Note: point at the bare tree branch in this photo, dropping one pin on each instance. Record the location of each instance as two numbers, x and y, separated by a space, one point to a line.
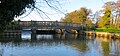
42 12
53 7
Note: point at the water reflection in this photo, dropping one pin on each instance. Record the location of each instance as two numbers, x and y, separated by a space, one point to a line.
41 37
26 35
59 45
107 46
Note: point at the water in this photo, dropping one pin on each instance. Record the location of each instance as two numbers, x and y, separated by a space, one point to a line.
59 45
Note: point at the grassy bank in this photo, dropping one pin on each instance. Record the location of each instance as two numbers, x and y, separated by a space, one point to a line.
111 30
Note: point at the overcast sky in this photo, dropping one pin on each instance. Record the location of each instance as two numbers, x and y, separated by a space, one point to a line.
67 6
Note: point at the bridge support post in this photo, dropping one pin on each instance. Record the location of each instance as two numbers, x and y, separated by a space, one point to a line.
81 32
58 31
62 31
33 34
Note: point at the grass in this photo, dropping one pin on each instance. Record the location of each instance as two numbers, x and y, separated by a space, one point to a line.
111 30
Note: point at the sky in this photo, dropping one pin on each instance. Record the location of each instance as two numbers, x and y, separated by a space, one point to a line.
66 7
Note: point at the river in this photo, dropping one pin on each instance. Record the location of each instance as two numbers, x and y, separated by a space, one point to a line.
59 45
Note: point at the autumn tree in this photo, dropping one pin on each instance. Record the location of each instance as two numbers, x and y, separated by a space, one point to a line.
83 15
71 17
111 13
117 14
105 21
79 16
117 25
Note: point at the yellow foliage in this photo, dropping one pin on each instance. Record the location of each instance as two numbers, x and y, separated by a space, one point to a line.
77 16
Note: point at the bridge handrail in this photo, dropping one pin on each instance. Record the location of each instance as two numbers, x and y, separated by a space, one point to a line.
49 23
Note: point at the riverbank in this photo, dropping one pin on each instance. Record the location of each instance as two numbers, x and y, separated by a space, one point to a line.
110 30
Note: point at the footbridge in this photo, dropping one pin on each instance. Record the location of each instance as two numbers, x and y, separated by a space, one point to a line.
49 25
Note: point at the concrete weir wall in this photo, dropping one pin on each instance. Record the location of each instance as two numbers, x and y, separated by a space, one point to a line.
103 34
11 33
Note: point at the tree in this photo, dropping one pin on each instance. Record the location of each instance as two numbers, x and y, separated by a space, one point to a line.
83 15
117 25
111 16
13 8
78 16
9 9
105 21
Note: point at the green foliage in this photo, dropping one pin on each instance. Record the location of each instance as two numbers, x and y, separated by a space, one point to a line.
105 21
112 30
111 16
13 8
